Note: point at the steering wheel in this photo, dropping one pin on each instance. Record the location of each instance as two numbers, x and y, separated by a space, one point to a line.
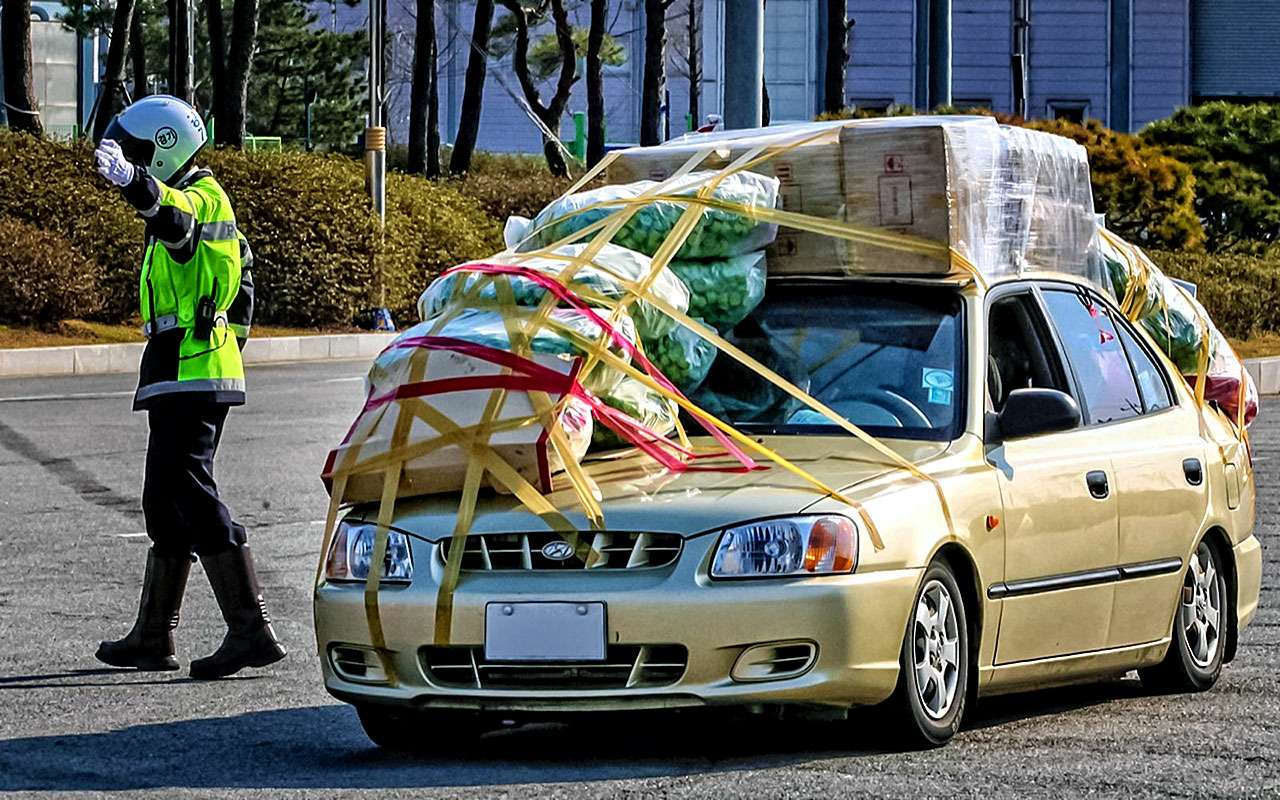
900 407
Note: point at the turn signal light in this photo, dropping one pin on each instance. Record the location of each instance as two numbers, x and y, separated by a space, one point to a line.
831 545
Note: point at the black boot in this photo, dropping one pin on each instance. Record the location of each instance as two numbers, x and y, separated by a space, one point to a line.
149 646
250 641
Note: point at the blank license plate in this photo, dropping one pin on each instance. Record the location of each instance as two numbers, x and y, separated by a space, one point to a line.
544 632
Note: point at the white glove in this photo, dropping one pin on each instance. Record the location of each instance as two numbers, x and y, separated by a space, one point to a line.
112 164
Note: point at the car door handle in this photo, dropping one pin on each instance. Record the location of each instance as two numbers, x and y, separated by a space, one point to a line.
1194 472
1096 480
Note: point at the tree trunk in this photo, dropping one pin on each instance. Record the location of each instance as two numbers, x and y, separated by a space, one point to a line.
244 32
112 74
138 54
837 59
595 82
464 144
654 88
695 63
180 78
217 56
423 97
433 104
549 113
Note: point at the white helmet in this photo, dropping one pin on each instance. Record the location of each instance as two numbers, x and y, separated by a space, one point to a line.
159 132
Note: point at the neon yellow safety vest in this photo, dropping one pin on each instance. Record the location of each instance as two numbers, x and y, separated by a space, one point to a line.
176 277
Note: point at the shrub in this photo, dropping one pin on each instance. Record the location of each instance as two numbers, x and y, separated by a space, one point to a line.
54 187
43 279
1238 290
306 216
1234 151
317 254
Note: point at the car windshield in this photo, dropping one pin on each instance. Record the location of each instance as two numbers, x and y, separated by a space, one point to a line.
886 358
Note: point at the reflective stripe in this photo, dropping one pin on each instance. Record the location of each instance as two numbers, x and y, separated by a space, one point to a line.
241 331
159 325
218 231
170 321
155 207
197 385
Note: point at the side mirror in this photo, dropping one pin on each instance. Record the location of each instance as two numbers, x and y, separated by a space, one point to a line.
1028 412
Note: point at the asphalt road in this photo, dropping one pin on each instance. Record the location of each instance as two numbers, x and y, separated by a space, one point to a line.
71 556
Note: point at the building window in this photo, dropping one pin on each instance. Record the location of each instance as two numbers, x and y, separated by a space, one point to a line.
965 103
1072 110
874 104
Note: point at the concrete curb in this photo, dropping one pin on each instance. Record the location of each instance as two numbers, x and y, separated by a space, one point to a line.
100 359
1266 373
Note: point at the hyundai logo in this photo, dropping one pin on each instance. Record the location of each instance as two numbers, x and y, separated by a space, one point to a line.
557 550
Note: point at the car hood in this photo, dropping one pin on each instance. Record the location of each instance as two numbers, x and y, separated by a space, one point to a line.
636 494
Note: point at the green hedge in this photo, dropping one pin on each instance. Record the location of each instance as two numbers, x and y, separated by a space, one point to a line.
1238 290
43 279
317 252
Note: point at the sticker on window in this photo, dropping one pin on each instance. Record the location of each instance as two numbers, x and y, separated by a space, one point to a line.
940 383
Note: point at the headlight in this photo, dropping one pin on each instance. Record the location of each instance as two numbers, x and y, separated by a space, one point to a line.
820 544
352 551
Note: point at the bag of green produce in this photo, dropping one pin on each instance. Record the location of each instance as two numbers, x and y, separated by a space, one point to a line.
723 291
647 407
683 356
719 233
603 278
1165 312
567 332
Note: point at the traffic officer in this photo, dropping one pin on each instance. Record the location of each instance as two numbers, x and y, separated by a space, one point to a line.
196 303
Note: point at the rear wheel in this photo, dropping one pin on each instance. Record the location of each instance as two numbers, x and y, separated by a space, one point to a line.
928 705
1195 655
405 730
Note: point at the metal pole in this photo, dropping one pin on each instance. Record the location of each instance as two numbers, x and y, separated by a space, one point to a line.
743 63
375 147
939 53
1021 25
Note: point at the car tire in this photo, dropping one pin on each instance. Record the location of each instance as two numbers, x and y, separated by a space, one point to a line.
928 705
1199 640
404 730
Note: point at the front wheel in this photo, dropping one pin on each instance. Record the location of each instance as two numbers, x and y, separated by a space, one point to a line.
928 705
1195 656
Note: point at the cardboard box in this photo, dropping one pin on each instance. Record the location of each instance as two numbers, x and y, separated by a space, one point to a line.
527 449
1000 196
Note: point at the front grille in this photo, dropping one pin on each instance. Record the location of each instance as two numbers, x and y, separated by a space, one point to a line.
591 550
624 667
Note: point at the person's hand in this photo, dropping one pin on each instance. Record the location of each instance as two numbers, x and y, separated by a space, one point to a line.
112 164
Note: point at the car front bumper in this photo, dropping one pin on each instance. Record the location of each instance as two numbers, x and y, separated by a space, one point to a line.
855 624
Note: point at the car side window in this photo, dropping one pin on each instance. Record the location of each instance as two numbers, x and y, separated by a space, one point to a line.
1017 357
1151 381
1097 357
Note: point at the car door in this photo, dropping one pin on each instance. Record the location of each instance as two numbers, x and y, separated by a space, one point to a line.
1060 517
1162 491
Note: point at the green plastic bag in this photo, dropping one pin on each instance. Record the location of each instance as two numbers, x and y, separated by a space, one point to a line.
487 327
724 291
639 402
683 356
1165 315
719 233
598 279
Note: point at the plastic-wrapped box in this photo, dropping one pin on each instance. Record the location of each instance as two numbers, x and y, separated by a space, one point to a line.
447 373
1003 197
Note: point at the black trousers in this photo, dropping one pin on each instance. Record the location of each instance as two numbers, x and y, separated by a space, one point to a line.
179 497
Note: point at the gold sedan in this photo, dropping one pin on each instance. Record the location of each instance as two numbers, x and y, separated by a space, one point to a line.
1095 521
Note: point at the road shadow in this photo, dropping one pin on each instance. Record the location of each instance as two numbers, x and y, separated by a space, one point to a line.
323 747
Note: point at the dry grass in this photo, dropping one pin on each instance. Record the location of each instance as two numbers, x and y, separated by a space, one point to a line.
1260 346
74 331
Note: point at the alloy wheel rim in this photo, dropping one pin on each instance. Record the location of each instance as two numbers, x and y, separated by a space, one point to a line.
936 649
1201 609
